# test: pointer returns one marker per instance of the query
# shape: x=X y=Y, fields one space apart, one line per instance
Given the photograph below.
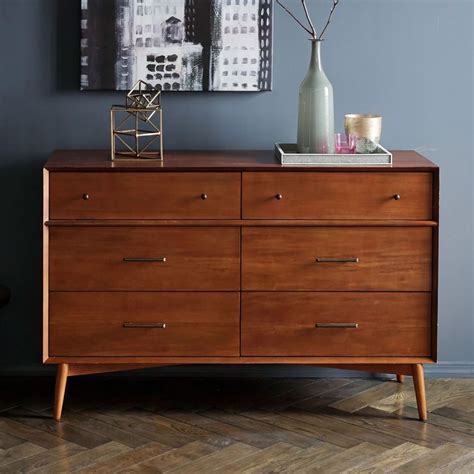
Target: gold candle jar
x=364 y=126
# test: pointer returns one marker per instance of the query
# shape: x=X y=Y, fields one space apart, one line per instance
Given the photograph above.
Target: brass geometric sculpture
x=137 y=125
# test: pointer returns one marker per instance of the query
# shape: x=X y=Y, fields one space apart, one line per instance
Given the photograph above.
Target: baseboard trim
x=440 y=370
x=450 y=369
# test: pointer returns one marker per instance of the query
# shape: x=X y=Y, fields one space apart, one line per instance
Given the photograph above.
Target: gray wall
x=410 y=60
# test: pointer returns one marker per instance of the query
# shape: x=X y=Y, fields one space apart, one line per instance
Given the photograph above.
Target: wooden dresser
x=230 y=258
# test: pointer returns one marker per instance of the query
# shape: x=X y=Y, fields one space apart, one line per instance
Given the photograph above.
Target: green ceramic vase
x=316 y=108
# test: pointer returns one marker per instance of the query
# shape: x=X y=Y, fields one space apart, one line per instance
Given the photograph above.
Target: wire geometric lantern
x=137 y=125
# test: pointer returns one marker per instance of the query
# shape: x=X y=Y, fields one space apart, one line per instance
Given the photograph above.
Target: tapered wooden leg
x=400 y=378
x=419 y=382
x=61 y=379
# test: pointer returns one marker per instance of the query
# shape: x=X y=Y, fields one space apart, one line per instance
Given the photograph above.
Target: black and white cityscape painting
x=177 y=45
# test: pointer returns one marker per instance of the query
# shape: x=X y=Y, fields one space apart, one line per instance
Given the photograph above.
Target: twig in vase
x=310 y=29
x=305 y=8
x=335 y=3
x=312 y=33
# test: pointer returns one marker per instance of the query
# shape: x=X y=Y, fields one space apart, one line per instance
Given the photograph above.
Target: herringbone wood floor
x=236 y=425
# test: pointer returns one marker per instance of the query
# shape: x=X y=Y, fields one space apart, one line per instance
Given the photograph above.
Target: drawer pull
x=336 y=325
x=279 y=197
x=85 y=197
x=397 y=197
x=145 y=259
x=203 y=197
x=337 y=260
x=128 y=325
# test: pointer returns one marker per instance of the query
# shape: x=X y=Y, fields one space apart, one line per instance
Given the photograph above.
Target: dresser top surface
x=99 y=160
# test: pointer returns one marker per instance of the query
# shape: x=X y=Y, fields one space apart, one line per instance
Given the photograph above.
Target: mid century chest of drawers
x=230 y=258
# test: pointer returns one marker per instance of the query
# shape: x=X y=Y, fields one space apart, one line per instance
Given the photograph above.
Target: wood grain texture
x=197 y=324
x=336 y=195
x=60 y=390
x=285 y=259
x=456 y=395
x=266 y=460
x=349 y=459
x=283 y=324
x=68 y=433
x=462 y=464
x=145 y=196
x=266 y=437
x=283 y=422
x=303 y=460
x=175 y=458
x=85 y=459
x=132 y=425
x=195 y=206
x=239 y=223
x=45 y=274
x=432 y=461
x=17 y=453
x=322 y=361
x=386 y=423
x=456 y=413
x=419 y=382
x=127 y=459
x=196 y=258
x=435 y=266
x=333 y=424
x=392 y=459
x=218 y=460
x=242 y=433
x=42 y=459
x=440 y=430
x=30 y=434
x=215 y=160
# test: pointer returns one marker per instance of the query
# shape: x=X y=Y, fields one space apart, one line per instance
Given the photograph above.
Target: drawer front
x=145 y=195
x=144 y=324
x=337 y=195
x=337 y=259
x=151 y=258
x=284 y=324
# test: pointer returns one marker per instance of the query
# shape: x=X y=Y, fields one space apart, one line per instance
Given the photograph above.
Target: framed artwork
x=177 y=45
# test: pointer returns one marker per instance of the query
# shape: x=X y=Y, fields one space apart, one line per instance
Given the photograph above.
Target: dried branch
x=312 y=33
x=305 y=8
x=335 y=3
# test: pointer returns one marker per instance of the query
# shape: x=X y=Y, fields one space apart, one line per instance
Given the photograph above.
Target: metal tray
x=288 y=155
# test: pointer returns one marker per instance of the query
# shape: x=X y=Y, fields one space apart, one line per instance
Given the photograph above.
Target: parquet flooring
x=190 y=425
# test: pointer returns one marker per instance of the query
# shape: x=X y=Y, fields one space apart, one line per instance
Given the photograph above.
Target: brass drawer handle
x=336 y=325
x=397 y=197
x=204 y=197
x=337 y=260
x=145 y=259
x=279 y=197
x=129 y=325
x=85 y=197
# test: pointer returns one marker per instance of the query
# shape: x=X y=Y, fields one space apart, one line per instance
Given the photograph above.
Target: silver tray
x=288 y=155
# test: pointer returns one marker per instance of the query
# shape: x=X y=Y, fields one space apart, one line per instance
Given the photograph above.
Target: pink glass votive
x=345 y=144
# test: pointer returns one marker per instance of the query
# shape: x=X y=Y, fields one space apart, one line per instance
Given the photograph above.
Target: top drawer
x=338 y=195
x=130 y=195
